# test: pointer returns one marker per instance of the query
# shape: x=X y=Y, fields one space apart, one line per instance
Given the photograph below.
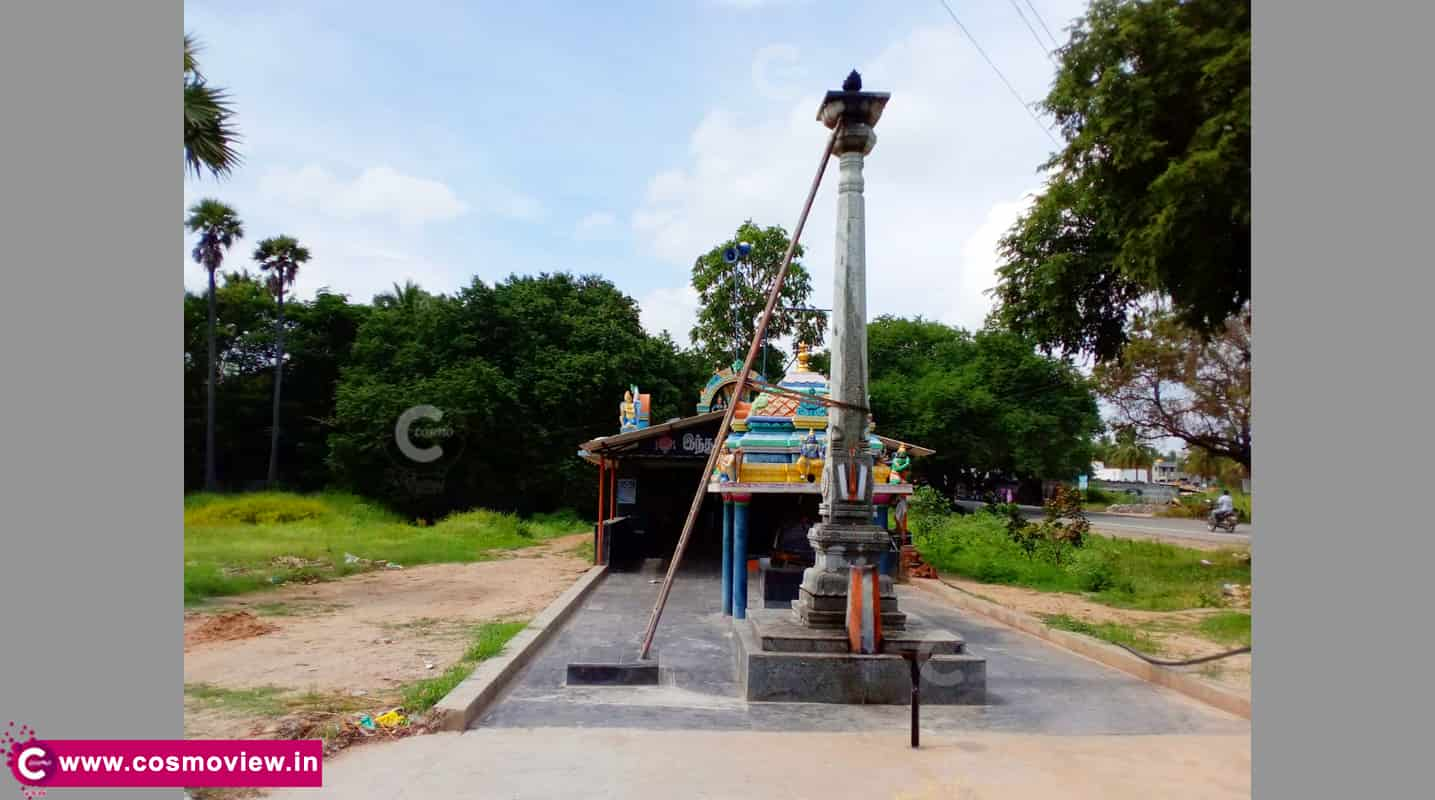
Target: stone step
x=780 y=632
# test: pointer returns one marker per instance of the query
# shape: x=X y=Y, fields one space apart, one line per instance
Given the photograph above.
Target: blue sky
x=436 y=142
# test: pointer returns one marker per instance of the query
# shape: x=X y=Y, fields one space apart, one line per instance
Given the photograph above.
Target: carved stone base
x=822 y=597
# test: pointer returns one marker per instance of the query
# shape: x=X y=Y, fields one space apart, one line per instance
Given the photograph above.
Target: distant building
x=1101 y=472
x=1168 y=472
x=1161 y=471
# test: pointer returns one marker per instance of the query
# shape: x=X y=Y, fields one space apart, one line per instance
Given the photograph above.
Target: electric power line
x=997 y=70
x=1056 y=45
x=1039 y=42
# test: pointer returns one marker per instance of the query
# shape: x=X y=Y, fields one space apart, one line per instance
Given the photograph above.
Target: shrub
x=926 y=510
x=266 y=508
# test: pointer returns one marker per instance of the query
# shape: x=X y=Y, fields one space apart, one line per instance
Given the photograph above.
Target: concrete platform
x=778 y=660
x=778 y=632
x=848 y=678
x=1032 y=686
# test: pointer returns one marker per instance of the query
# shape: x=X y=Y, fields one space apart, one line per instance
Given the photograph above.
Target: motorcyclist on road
x=1225 y=506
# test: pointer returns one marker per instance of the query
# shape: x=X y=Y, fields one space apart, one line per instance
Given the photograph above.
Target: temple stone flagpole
x=846 y=536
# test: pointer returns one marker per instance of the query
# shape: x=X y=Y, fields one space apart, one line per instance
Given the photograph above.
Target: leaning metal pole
x=738 y=389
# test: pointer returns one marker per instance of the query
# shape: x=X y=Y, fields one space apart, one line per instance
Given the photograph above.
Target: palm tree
x=209 y=133
x=1128 y=453
x=218 y=227
x=408 y=296
x=280 y=257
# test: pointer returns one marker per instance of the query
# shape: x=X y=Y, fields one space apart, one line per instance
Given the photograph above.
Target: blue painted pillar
x=888 y=562
x=726 y=556
x=739 y=556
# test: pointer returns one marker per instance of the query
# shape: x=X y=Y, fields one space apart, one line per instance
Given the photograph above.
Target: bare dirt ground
x=361 y=637
x=1170 y=629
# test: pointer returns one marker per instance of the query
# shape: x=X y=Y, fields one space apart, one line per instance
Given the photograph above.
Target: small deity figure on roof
x=807 y=457
x=727 y=468
x=626 y=417
x=901 y=463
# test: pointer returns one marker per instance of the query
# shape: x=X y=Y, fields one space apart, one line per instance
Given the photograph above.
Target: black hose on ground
x=1188 y=662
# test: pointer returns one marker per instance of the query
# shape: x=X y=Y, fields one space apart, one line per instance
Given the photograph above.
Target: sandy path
x=373 y=632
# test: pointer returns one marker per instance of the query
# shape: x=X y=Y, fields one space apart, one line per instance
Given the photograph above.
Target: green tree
x=218 y=227
x=280 y=257
x=988 y=403
x=1172 y=382
x=522 y=370
x=318 y=340
x=1202 y=463
x=1150 y=195
x=728 y=314
x=409 y=294
x=210 y=136
x=1128 y=452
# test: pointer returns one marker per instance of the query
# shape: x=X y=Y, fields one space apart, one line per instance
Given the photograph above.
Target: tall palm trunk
x=278 y=384
x=211 y=477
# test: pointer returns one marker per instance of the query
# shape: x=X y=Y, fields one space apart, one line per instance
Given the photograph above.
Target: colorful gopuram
x=776 y=446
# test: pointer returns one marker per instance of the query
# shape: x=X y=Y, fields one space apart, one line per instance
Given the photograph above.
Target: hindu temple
x=796 y=517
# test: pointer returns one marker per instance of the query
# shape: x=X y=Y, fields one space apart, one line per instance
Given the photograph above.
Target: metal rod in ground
x=720 y=439
x=916 y=698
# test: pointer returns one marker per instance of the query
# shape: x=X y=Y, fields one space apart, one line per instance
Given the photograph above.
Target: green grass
x=1227 y=627
x=1123 y=573
x=264 y=701
x=1107 y=497
x=489 y=640
x=1105 y=631
x=1193 y=506
x=231 y=541
x=271 y=701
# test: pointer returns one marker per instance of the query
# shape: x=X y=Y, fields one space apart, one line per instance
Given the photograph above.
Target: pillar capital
x=857 y=111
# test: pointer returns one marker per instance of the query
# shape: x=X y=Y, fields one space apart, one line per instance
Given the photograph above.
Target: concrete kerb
x=473 y=695
x=1094 y=649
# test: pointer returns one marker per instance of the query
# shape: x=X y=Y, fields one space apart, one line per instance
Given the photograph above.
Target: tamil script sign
x=678 y=445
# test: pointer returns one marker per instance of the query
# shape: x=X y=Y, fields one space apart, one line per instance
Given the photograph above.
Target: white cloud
x=671 y=309
x=954 y=159
x=513 y=204
x=375 y=192
x=777 y=71
x=595 y=224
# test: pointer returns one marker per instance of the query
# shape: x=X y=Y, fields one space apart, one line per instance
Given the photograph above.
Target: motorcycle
x=1214 y=521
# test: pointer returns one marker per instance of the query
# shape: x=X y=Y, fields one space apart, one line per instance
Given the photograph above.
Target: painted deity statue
x=627 y=418
x=807 y=458
x=727 y=467
x=901 y=463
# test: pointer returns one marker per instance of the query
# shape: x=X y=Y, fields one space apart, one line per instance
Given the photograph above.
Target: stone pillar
x=726 y=556
x=739 y=556
x=846 y=536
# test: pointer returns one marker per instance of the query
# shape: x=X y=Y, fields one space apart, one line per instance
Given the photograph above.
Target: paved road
x=1175 y=531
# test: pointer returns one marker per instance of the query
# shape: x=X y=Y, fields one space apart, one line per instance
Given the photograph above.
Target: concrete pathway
x=1056 y=725
x=586 y=764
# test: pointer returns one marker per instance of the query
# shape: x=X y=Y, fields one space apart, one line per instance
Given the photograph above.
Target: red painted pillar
x=598 y=546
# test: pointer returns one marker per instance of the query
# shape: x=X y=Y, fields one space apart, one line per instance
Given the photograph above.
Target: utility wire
x=997 y=70
x=1034 y=35
x=1054 y=42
